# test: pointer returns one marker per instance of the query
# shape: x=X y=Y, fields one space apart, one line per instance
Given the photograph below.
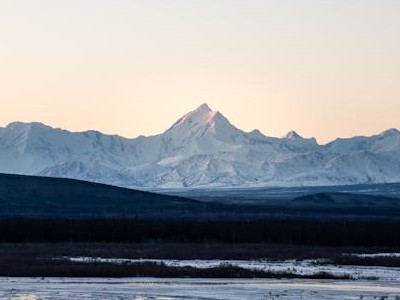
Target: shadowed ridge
x=36 y=196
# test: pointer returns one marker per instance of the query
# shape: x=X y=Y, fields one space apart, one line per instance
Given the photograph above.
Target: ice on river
x=196 y=289
x=301 y=267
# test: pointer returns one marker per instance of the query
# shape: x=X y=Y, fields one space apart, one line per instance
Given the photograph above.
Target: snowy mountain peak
x=390 y=132
x=203 y=108
x=20 y=133
x=202 y=129
x=26 y=126
x=203 y=114
x=293 y=135
x=256 y=133
x=200 y=116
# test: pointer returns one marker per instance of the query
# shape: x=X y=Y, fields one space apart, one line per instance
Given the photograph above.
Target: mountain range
x=201 y=149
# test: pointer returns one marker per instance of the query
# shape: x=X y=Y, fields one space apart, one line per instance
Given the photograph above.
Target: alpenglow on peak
x=202 y=115
x=203 y=108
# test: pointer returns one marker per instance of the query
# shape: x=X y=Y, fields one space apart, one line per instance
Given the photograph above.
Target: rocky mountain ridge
x=201 y=149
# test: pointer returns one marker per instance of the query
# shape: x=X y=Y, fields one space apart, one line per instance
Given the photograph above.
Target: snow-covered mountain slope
x=202 y=149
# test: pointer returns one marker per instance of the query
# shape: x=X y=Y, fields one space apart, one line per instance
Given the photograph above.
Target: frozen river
x=200 y=289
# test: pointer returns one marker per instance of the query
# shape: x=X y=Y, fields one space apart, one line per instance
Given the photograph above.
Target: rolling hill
x=32 y=196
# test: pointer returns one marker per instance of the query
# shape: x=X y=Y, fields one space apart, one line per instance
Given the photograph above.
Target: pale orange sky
x=323 y=68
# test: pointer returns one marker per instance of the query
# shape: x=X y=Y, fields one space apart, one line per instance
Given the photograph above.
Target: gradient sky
x=322 y=68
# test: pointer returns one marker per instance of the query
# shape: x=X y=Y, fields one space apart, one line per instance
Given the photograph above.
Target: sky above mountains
x=322 y=68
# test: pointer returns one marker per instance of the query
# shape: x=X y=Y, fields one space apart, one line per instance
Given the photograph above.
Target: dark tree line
x=267 y=231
